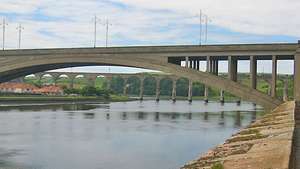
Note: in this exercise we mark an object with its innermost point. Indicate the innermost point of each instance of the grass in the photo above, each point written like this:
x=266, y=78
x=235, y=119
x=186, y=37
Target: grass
x=217, y=166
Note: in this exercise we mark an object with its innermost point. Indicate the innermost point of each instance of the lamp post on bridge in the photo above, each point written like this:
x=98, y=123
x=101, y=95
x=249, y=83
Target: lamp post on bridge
x=206, y=20
x=96, y=19
x=20, y=28
x=4, y=24
x=107, y=24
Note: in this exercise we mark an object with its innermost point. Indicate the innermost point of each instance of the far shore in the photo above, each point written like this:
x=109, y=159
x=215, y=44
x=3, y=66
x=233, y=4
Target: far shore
x=92, y=99
x=62, y=99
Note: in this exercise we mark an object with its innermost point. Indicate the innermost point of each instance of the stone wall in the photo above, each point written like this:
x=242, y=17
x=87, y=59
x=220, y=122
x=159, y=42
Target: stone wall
x=264, y=144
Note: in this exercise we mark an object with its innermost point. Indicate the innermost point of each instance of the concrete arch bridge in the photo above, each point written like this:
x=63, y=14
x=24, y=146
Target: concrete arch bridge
x=181, y=61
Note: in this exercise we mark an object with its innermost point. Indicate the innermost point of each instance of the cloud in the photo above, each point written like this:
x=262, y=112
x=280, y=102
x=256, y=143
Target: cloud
x=69, y=23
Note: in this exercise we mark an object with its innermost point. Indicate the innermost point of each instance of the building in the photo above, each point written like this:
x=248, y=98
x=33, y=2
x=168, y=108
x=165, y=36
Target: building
x=23, y=88
x=17, y=88
x=49, y=90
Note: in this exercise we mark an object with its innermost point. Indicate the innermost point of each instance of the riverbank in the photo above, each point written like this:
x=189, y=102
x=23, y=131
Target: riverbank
x=64, y=99
x=266, y=143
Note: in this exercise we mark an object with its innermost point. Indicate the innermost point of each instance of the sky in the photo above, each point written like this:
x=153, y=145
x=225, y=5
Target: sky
x=69, y=23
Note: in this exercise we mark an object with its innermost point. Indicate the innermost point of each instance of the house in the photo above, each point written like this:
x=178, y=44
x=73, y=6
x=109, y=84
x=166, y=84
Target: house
x=17, y=88
x=49, y=90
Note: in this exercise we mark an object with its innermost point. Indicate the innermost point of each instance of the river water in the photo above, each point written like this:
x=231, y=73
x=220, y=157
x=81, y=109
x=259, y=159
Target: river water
x=125, y=135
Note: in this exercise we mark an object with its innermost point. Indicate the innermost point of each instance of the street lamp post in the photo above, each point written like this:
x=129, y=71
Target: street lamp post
x=4, y=24
x=95, y=30
x=20, y=28
x=107, y=24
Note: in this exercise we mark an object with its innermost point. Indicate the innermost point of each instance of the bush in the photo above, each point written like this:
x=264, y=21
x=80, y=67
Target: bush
x=89, y=91
x=217, y=166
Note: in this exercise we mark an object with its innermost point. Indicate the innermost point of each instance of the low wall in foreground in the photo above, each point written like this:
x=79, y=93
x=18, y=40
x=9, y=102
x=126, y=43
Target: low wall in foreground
x=264, y=144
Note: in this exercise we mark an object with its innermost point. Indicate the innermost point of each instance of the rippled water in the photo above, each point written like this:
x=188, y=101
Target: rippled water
x=129, y=135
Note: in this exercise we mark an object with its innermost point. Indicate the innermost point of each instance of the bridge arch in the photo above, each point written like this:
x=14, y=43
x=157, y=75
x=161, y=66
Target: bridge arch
x=30, y=63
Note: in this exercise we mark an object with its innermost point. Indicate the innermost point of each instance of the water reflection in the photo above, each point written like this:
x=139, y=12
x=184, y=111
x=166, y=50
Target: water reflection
x=146, y=135
x=156, y=116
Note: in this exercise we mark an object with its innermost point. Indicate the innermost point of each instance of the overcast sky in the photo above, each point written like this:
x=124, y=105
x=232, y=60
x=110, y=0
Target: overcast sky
x=69, y=23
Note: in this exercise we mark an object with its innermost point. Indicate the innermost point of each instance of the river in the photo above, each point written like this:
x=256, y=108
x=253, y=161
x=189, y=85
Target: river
x=121, y=135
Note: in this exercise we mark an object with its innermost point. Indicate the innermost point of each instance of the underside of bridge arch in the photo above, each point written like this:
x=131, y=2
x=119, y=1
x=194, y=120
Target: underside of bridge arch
x=20, y=67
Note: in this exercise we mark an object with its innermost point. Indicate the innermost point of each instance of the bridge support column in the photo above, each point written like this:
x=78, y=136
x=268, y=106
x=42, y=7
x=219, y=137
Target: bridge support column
x=215, y=67
x=222, y=96
x=174, y=86
x=191, y=64
x=208, y=69
x=253, y=71
x=142, y=88
x=274, y=76
x=157, y=89
x=125, y=87
x=186, y=62
x=194, y=64
x=233, y=71
x=297, y=75
x=285, y=90
x=232, y=68
x=190, y=92
x=198, y=65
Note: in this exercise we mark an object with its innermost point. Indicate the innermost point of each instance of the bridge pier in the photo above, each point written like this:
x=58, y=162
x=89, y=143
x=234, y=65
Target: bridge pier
x=233, y=71
x=157, y=93
x=222, y=96
x=274, y=76
x=142, y=88
x=190, y=91
x=232, y=68
x=125, y=87
x=285, y=89
x=186, y=62
x=174, y=86
x=198, y=65
x=297, y=74
x=253, y=71
x=208, y=69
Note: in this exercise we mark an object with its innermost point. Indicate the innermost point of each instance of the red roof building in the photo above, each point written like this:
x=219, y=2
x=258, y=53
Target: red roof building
x=17, y=88
x=50, y=90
